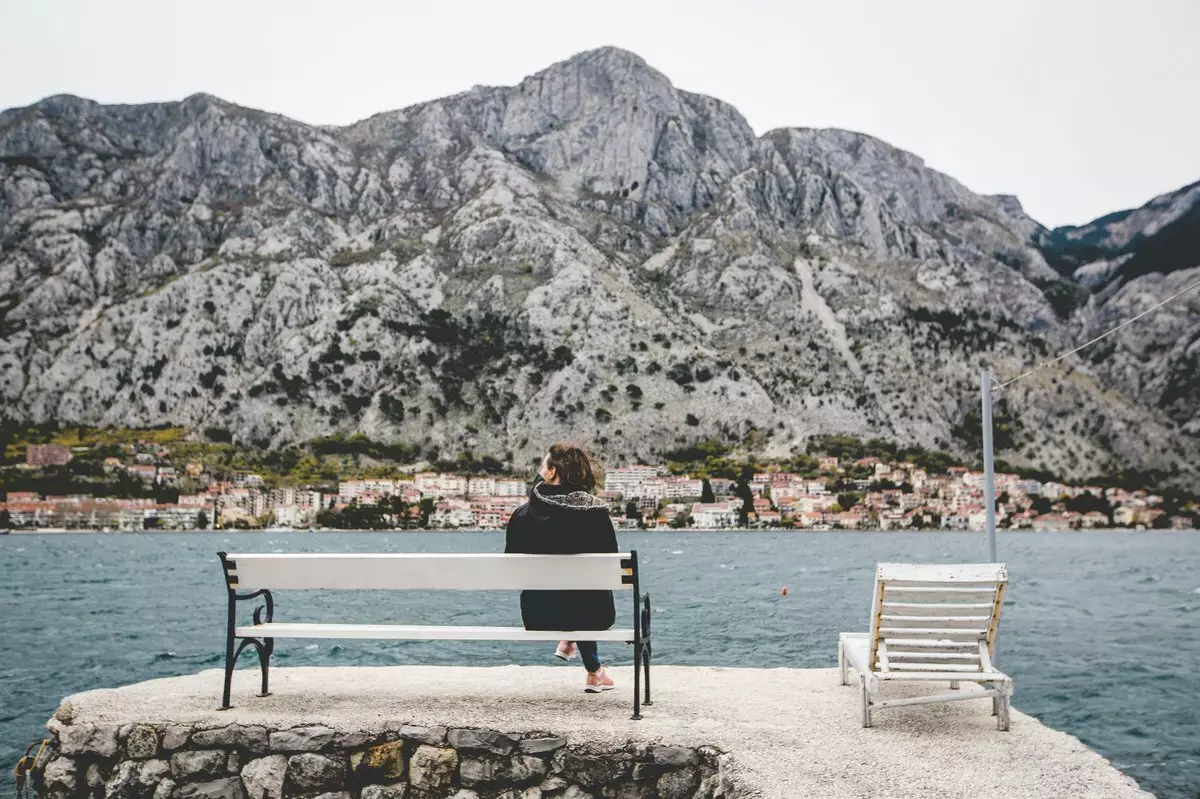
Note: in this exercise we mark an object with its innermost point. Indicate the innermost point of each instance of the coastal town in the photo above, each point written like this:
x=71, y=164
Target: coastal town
x=866, y=493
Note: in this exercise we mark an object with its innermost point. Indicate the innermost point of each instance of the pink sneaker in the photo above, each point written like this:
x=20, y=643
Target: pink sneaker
x=598, y=681
x=566, y=650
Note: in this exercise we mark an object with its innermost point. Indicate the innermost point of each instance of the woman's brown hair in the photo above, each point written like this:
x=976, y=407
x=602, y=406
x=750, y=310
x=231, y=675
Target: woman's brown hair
x=573, y=466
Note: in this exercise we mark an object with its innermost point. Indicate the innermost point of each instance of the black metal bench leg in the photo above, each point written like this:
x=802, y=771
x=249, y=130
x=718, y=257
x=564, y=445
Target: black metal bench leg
x=646, y=665
x=230, y=657
x=228, y=675
x=637, y=689
x=264, y=662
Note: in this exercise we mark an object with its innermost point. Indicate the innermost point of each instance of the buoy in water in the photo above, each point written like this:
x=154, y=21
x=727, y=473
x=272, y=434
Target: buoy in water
x=783, y=591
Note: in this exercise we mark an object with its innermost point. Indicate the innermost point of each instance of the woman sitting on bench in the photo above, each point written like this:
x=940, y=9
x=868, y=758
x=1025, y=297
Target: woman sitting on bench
x=562, y=517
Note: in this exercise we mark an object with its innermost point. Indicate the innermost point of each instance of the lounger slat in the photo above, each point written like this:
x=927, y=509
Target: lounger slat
x=423, y=633
x=947, y=606
x=941, y=632
x=907, y=666
x=897, y=644
x=900, y=620
x=938, y=573
x=912, y=655
x=944, y=676
x=935, y=591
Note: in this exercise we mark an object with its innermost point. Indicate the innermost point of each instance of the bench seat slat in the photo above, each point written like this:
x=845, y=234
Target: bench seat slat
x=422, y=632
x=429, y=571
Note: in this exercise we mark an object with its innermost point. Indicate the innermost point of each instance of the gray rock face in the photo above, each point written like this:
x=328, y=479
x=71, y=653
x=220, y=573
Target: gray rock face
x=481, y=742
x=93, y=739
x=205, y=763
x=593, y=241
x=226, y=788
x=60, y=775
x=142, y=742
x=301, y=739
x=434, y=736
x=252, y=739
x=313, y=773
x=488, y=772
x=539, y=746
x=175, y=738
x=432, y=769
x=263, y=778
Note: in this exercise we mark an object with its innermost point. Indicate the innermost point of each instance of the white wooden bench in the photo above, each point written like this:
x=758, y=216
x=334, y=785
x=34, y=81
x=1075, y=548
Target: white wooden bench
x=250, y=576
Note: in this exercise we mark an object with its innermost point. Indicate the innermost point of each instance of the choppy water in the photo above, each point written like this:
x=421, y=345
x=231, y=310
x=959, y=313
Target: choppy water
x=1100, y=629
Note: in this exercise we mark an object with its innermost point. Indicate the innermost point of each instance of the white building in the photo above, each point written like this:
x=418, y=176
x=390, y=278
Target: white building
x=627, y=479
x=511, y=488
x=715, y=515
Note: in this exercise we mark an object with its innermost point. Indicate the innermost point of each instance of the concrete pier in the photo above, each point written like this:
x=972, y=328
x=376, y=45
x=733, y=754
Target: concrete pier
x=774, y=733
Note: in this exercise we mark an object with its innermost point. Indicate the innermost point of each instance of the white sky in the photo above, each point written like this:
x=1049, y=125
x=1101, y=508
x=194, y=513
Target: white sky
x=1079, y=108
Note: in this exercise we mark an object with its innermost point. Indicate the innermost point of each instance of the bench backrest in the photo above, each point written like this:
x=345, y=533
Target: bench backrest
x=925, y=612
x=468, y=572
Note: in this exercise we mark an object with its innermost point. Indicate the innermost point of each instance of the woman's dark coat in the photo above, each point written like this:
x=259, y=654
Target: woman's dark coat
x=558, y=521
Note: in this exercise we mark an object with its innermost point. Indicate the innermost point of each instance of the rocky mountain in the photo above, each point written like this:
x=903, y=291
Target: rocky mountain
x=592, y=254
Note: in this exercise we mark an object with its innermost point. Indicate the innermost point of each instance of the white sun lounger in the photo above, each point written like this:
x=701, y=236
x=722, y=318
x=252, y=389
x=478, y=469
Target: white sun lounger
x=931, y=623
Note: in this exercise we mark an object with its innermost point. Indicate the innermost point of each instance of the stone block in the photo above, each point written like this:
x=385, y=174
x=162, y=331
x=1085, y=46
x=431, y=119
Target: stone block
x=674, y=756
x=194, y=764
x=384, y=791
x=594, y=771
x=224, y=788
x=647, y=771
x=381, y=763
x=125, y=782
x=554, y=783
x=251, y=738
x=432, y=768
x=175, y=738
x=165, y=789
x=152, y=772
x=88, y=739
x=301, y=739
x=354, y=740
x=94, y=778
x=574, y=792
x=60, y=775
x=333, y=795
x=515, y=793
x=481, y=742
x=433, y=736
x=680, y=784
x=65, y=712
x=541, y=746
x=629, y=790
x=479, y=772
x=312, y=773
x=263, y=778
x=141, y=742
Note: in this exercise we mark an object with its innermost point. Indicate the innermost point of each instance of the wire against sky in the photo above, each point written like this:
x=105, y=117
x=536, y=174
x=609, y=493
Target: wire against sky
x=1127, y=322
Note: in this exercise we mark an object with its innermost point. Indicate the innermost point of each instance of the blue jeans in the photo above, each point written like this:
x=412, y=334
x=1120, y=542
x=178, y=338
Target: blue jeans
x=587, y=651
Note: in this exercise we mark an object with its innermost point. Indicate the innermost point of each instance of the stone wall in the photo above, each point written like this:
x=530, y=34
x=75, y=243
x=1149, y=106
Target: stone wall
x=148, y=761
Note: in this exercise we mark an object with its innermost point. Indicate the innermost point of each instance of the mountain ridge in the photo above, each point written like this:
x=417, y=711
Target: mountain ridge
x=413, y=275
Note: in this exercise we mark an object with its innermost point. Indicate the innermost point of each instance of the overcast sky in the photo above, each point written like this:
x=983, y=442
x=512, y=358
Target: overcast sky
x=1079, y=108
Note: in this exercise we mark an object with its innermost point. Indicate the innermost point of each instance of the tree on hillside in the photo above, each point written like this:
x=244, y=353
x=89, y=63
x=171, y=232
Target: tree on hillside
x=848, y=500
x=706, y=492
x=201, y=521
x=427, y=507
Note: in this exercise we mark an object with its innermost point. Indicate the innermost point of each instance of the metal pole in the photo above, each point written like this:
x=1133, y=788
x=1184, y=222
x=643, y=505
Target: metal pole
x=989, y=477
